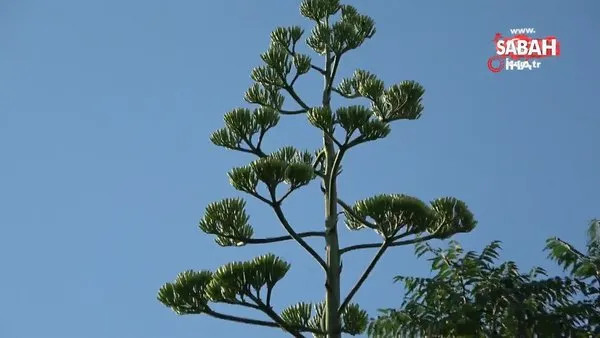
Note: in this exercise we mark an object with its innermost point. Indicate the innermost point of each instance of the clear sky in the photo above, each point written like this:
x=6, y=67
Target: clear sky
x=106, y=108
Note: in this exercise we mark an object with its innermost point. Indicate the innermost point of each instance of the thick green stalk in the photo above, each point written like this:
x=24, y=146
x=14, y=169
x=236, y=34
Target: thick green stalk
x=332, y=246
x=332, y=317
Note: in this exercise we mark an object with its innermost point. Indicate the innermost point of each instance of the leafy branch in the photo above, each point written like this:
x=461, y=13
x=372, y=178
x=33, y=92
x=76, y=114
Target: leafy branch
x=581, y=264
x=394, y=242
x=267, y=240
x=281, y=216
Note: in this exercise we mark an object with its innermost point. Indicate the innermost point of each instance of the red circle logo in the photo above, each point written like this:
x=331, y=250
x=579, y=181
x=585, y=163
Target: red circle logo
x=500, y=62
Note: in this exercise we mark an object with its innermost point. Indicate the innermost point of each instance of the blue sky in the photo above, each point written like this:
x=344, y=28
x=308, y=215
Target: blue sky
x=106, y=108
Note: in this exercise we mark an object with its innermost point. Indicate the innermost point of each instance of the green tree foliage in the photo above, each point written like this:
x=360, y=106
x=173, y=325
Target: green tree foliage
x=582, y=264
x=399, y=219
x=472, y=296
